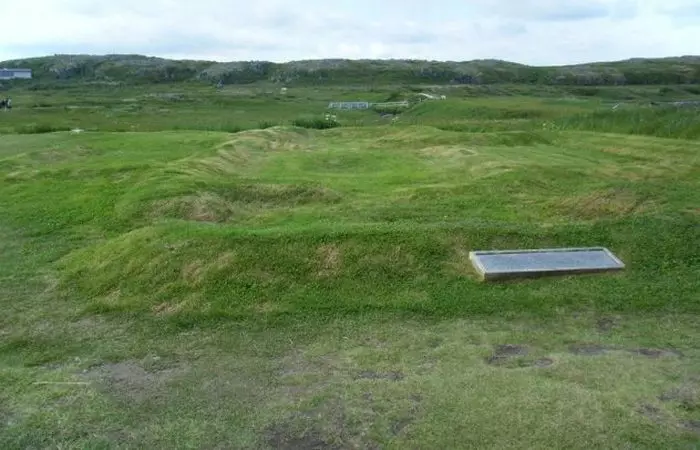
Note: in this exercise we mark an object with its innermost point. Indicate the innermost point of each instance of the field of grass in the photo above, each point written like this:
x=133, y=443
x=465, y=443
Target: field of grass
x=168, y=281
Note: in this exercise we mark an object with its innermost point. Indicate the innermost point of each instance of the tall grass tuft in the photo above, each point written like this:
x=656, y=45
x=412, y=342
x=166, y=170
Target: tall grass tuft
x=667, y=122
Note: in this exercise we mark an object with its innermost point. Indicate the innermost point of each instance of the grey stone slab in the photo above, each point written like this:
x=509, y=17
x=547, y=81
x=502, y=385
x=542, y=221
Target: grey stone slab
x=504, y=264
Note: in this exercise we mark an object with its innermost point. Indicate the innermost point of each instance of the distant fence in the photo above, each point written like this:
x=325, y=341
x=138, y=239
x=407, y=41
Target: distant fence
x=367, y=105
x=349, y=105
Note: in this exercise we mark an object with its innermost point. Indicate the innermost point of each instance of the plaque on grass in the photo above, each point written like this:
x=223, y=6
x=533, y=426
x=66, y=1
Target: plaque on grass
x=506, y=264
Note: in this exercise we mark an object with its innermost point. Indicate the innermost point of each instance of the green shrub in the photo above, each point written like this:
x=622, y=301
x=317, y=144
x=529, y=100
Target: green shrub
x=39, y=129
x=319, y=124
x=266, y=124
x=390, y=110
x=395, y=96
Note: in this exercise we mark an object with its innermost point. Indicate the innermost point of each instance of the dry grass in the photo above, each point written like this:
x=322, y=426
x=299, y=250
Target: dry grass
x=193, y=272
x=224, y=260
x=239, y=201
x=232, y=157
x=658, y=170
x=202, y=207
x=329, y=261
x=490, y=169
x=606, y=203
x=167, y=309
x=191, y=302
x=268, y=308
x=446, y=152
x=459, y=264
x=396, y=258
x=226, y=162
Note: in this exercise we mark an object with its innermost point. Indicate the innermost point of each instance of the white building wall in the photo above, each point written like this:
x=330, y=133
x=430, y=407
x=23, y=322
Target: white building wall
x=9, y=74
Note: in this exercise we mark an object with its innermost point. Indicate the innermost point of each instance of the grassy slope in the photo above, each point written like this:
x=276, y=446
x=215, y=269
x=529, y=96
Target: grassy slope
x=290, y=288
x=140, y=69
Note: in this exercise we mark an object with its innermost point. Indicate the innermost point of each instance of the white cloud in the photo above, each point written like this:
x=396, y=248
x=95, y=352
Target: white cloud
x=529, y=31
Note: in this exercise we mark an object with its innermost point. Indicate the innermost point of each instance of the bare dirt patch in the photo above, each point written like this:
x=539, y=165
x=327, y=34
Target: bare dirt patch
x=400, y=426
x=687, y=396
x=336, y=424
x=588, y=349
x=284, y=437
x=606, y=324
x=505, y=353
x=691, y=425
x=301, y=376
x=651, y=412
x=372, y=375
x=511, y=356
x=129, y=380
x=657, y=353
x=297, y=363
x=543, y=363
x=325, y=427
x=511, y=350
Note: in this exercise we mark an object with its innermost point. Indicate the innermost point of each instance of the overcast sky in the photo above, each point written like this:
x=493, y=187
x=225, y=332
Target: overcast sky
x=537, y=32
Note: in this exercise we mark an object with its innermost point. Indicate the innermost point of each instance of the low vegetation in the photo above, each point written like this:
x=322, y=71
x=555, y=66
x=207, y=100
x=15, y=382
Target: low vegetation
x=218, y=268
x=116, y=69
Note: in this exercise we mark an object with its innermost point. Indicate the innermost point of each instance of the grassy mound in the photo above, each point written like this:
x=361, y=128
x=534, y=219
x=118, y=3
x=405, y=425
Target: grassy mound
x=294, y=287
x=274, y=222
x=203, y=272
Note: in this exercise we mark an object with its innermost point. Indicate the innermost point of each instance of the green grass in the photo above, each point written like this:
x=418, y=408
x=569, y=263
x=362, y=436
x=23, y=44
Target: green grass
x=668, y=122
x=183, y=286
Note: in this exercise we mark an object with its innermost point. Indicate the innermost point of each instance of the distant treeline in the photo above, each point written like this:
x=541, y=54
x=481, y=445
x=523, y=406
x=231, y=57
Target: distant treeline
x=142, y=69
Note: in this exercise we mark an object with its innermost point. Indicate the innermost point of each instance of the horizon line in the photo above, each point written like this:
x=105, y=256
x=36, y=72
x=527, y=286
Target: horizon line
x=633, y=58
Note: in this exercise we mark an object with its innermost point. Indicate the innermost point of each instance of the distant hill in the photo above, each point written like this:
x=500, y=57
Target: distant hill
x=144, y=69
